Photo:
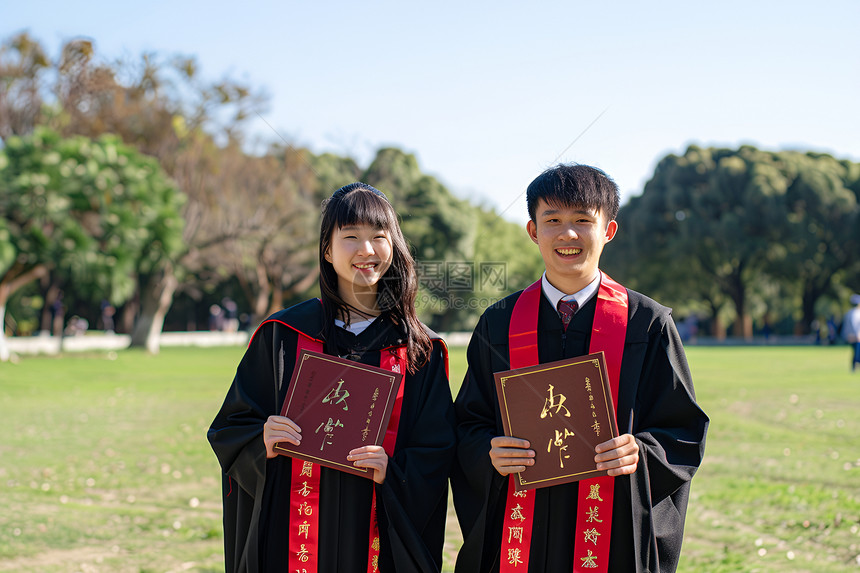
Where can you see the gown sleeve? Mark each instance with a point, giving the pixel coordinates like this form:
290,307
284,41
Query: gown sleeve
236,433
236,437
670,428
415,492
477,487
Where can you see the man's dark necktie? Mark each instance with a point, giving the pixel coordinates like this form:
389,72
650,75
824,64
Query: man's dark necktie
566,309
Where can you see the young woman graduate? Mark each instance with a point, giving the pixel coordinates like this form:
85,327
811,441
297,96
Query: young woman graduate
394,522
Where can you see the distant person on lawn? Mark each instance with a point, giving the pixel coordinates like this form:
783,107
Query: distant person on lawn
851,330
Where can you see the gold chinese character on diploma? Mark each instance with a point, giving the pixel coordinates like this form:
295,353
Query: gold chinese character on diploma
592,515
520,494
550,403
591,535
596,427
305,507
375,562
375,544
305,529
588,562
337,396
559,438
302,554
305,489
328,430
562,447
514,556
594,492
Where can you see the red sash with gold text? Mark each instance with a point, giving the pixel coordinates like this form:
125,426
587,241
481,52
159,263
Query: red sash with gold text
594,505
305,480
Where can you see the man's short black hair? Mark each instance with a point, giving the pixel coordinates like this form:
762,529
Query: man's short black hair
574,185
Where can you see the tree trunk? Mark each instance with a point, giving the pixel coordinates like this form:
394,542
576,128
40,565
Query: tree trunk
276,302
807,305
281,293
811,293
156,296
128,316
717,330
742,326
11,282
4,348
261,300
51,295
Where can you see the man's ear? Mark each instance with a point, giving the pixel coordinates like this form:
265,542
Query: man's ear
611,229
531,229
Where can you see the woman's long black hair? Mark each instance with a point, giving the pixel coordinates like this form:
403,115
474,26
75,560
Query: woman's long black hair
362,204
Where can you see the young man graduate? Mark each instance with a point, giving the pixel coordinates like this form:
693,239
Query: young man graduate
632,519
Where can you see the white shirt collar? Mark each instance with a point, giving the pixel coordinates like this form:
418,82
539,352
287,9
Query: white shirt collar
554,295
356,326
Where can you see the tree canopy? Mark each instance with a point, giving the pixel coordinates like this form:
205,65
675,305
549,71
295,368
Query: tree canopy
724,225
96,213
250,219
132,181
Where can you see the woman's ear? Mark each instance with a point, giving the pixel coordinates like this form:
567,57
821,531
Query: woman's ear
327,255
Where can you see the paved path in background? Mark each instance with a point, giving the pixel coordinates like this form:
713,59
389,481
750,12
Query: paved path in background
94,341
97,341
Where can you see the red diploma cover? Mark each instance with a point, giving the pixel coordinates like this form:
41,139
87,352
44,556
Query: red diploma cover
340,405
564,409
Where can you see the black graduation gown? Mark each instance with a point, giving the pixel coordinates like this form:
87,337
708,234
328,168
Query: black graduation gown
413,499
655,389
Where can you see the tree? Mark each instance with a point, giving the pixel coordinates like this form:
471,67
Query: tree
437,224
167,110
23,64
269,212
332,172
439,227
705,219
720,224
818,239
97,212
164,109
506,259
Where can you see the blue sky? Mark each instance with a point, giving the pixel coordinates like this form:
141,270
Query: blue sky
487,95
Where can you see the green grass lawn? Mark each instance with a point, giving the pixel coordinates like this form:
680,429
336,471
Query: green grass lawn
104,464
779,489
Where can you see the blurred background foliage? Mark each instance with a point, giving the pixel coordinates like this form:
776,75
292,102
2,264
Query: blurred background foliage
128,185
750,240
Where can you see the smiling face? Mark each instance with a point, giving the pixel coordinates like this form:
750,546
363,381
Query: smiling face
570,240
360,255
